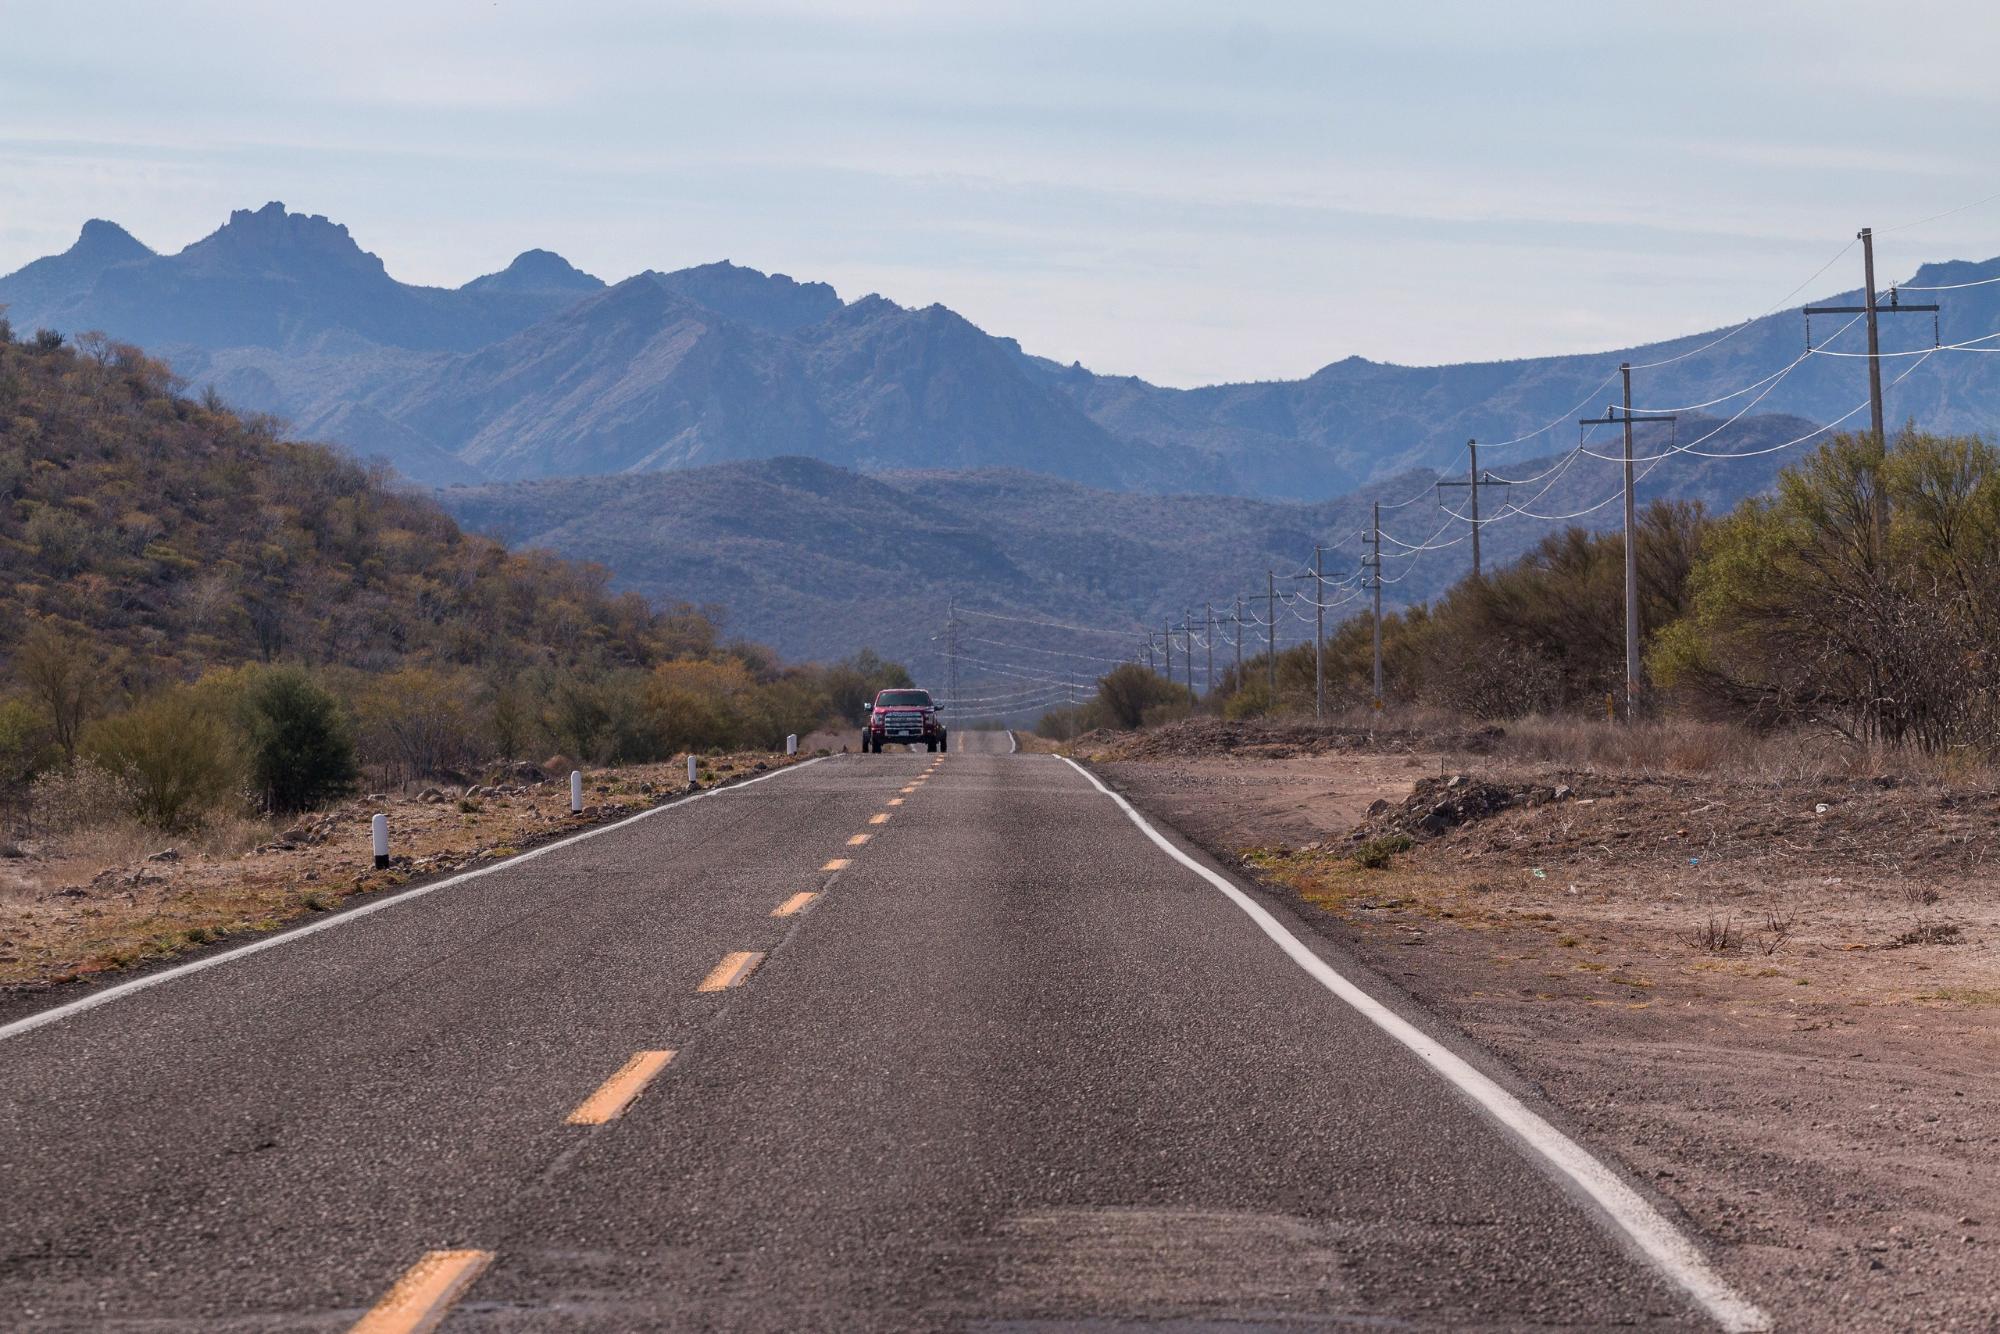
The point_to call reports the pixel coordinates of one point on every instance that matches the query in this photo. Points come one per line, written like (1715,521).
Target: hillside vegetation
(199,617)
(1799,610)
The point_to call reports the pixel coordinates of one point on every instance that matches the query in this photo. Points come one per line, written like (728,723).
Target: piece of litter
(1821,809)
(1694,861)
(1539,873)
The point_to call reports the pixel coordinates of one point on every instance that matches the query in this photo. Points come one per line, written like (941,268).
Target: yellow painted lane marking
(911,788)
(423,1296)
(731,971)
(895,801)
(857,840)
(794,904)
(617,1092)
(837,864)
(879,819)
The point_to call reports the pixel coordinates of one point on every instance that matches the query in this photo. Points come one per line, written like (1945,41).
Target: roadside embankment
(1776,995)
(74,907)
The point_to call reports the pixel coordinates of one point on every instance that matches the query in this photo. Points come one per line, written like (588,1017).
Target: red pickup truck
(902,717)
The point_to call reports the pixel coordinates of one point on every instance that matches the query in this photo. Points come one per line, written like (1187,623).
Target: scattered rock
(165,855)
(1439,805)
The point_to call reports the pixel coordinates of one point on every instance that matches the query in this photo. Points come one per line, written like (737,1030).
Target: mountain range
(818,560)
(542,371)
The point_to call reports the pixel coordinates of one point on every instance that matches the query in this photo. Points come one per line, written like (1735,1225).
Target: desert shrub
(1067,722)
(62,673)
(300,747)
(692,704)
(26,748)
(421,719)
(63,541)
(1376,853)
(1252,700)
(850,684)
(1132,697)
(583,718)
(181,760)
(1803,612)
(77,795)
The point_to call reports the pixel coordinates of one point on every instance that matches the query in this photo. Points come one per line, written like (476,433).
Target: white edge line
(1664,1245)
(285,937)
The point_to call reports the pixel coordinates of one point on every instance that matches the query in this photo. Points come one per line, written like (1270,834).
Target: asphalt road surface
(954,1045)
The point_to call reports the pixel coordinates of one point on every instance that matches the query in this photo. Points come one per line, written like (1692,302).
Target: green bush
(26,747)
(1377,853)
(1132,697)
(300,749)
(181,760)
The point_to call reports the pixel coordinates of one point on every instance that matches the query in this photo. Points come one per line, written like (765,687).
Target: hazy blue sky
(1185,192)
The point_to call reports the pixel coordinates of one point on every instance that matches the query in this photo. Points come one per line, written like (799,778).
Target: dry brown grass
(1690,747)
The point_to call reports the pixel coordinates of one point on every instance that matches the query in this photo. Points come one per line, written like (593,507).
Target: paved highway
(895,1042)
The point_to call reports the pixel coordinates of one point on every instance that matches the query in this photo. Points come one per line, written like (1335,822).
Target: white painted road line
(1659,1241)
(109,994)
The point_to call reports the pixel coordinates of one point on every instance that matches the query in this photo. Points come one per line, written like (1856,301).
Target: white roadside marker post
(792,744)
(691,769)
(576,792)
(379,827)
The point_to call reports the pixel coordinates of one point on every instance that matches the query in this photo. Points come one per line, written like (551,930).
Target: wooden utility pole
(1473,481)
(1319,635)
(1879,509)
(1187,629)
(1208,642)
(1615,415)
(1239,641)
(951,656)
(1378,599)
(1271,631)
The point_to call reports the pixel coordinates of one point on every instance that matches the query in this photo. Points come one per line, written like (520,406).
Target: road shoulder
(1845,1142)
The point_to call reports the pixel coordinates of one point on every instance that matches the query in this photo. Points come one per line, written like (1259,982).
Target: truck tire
(944,741)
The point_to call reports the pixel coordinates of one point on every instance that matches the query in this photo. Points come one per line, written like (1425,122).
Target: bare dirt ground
(1778,1001)
(104,900)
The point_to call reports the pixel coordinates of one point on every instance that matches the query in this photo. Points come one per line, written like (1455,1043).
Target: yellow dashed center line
(911,788)
(794,904)
(837,864)
(617,1092)
(731,972)
(423,1296)
(857,840)
(895,801)
(879,819)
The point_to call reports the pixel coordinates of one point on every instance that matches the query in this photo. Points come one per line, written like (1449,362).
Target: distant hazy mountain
(819,560)
(541,271)
(540,370)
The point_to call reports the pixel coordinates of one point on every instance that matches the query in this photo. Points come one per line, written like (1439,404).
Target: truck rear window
(903,699)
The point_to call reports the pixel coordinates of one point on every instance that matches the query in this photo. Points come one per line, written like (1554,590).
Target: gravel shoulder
(1780,1003)
(78,909)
